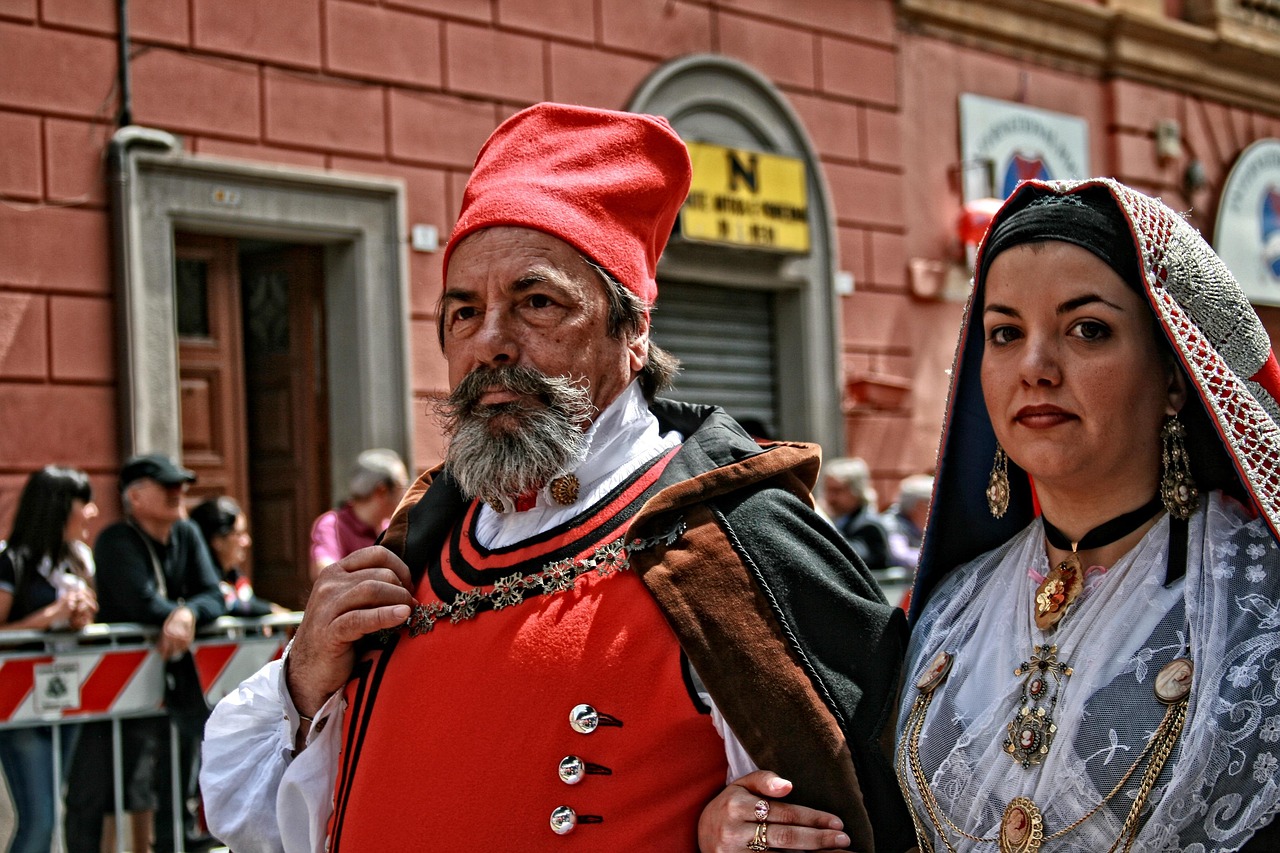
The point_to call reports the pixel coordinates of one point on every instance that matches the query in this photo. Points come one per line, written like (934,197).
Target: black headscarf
(1089,219)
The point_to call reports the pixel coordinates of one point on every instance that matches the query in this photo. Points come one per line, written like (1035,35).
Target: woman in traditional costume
(1095,661)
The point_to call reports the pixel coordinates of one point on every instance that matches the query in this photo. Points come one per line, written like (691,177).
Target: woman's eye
(466,312)
(1090,330)
(1002,335)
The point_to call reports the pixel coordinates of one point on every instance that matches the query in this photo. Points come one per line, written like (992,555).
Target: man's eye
(464,313)
(538,300)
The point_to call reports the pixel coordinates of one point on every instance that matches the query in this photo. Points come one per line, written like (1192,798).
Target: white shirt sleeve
(740,763)
(257,795)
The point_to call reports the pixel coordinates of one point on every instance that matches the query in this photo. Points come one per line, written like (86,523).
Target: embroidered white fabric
(1220,784)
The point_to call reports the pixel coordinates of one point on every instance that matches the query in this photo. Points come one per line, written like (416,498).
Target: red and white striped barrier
(124,680)
(223,664)
(83,684)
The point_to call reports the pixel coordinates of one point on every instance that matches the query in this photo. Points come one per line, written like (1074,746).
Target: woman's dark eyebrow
(1081,301)
(997,308)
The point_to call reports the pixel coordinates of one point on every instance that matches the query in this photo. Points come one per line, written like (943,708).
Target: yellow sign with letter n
(746,198)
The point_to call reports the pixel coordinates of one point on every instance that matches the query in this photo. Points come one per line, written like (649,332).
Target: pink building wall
(411,88)
(406,89)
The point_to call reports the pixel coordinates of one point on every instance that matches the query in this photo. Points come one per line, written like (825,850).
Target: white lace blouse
(1220,783)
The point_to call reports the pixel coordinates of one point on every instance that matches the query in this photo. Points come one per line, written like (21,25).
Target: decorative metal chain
(1160,746)
(558,576)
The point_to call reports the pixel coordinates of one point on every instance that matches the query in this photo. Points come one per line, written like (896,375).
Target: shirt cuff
(293,720)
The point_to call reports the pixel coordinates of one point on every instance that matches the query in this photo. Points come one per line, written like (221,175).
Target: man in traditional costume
(603,605)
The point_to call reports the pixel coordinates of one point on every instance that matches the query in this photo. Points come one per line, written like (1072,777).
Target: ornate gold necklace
(1022,828)
(1032,729)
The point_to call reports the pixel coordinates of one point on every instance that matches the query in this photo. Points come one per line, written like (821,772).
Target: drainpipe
(126,259)
(125,118)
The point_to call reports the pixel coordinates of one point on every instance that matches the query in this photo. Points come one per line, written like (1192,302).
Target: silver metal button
(584,719)
(572,769)
(563,820)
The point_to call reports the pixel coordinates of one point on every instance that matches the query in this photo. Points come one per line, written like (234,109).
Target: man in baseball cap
(581,612)
(152,568)
(156,466)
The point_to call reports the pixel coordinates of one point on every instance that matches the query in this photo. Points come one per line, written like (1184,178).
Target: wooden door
(288,417)
(211,366)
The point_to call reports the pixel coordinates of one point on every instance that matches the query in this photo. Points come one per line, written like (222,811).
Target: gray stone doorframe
(157,190)
(716,99)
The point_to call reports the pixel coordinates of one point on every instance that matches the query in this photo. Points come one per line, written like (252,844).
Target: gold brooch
(564,490)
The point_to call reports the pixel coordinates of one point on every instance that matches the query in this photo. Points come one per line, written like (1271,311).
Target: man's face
(531,362)
(153,503)
(839,498)
(515,296)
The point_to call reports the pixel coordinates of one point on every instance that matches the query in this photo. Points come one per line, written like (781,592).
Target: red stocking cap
(608,183)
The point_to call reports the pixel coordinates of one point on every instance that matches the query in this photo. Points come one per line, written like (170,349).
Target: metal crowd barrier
(113,672)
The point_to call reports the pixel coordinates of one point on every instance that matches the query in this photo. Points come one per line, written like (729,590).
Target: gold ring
(761,839)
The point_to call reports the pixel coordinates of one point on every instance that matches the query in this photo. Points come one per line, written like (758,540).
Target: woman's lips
(1042,417)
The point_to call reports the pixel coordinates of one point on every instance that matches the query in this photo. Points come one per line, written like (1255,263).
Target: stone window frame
(359,221)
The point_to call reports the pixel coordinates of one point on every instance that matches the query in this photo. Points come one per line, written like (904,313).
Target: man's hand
(363,592)
(176,634)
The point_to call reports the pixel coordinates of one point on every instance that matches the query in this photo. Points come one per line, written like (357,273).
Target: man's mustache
(525,381)
(553,392)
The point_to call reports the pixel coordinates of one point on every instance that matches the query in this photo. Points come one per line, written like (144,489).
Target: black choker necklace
(1063,585)
(1105,533)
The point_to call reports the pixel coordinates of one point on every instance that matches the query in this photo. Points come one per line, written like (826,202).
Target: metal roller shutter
(724,338)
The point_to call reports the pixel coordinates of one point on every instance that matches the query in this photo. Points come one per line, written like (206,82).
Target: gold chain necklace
(1022,825)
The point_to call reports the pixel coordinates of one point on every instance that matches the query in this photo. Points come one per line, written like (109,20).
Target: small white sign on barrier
(57,686)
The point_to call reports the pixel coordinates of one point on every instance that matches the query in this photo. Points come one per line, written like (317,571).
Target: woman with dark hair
(46,572)
(226,531)
(1095,662)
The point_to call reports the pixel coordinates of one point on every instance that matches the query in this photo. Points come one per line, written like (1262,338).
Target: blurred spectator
(46,571)
(905,520)
(225,528)
(377,483)
(153,568)
(851,503)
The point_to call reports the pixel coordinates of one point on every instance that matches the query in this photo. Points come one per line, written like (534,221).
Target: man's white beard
(513,448)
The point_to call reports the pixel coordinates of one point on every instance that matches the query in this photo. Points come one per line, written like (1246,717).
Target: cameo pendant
(1022,827)
(1032,729)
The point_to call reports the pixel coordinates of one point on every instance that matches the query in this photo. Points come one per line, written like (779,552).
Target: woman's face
(1074,383)
(232,548)
(78,521)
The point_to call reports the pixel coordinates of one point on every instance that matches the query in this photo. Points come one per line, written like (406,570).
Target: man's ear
(638,345)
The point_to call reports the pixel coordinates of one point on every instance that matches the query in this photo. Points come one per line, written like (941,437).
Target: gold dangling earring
(998,485)
(1177,488)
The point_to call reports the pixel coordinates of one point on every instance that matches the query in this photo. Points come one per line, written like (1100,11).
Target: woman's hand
(84,606)
(729,822)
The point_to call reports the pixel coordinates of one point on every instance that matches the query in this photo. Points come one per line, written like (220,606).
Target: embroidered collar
(620,440)
(616,437)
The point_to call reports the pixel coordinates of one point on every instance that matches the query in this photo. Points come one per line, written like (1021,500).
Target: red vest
(455,740)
